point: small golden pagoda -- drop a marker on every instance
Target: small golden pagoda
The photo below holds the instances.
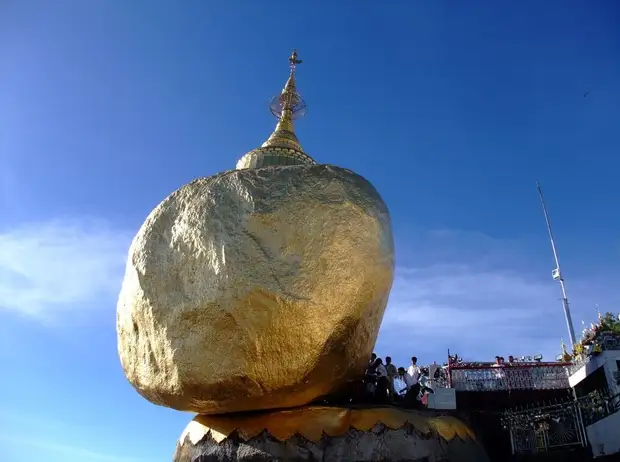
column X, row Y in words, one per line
column 282, row 147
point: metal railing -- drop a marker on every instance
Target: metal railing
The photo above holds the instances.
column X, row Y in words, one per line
column 535, row 376
column 578, row 363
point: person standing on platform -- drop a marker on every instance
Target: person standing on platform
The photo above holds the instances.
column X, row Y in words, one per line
column 382, row 392
column 380, row 368
column 414, row 370
column 392, row 371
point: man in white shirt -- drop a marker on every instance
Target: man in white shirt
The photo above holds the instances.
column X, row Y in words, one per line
column 412, row 389
column 414, row 371
column 407, row 379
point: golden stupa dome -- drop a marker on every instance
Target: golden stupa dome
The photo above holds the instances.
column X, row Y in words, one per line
column 282, row 147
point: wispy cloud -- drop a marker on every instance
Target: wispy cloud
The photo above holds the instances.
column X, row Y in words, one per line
column 469, row 297
column 50, row 268
column 472, row 311
column 69, row 452
column 468, row 292
column 55, row 436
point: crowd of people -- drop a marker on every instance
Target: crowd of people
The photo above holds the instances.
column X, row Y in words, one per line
column 501, row 362
column 386, row 383
column 454, row 360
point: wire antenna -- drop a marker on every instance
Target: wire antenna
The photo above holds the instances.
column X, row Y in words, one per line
column 556, row 273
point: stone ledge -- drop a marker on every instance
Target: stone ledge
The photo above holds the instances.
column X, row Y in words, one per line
column 318, row 433
column 312, row 422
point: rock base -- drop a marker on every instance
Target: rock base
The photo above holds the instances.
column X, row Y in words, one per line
column 330, row 434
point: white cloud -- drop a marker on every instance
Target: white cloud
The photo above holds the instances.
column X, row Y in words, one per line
column 57, row 436
column 472, row 311
column 70, row 452
column 478, row 298
column 50, row 268
column 473, row 294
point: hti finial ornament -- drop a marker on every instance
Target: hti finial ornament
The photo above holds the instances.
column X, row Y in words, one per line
column 293, row 60
column 289, row 103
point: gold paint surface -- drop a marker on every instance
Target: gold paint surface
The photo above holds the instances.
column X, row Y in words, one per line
column 256, row 289
column 314, row 421
column 284, row 133
column 449, row 427
column 274, row 155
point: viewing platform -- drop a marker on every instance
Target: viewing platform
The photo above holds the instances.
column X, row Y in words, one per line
column 518, row 376
column 484, row 386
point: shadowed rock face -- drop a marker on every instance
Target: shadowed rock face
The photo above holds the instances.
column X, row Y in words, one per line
column 379, row 444
column 256, row 289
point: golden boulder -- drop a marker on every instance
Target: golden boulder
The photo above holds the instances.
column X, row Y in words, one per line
column 256, row 289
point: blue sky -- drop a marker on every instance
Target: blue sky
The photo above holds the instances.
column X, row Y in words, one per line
column 451, row 109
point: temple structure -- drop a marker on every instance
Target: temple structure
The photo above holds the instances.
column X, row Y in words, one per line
column 252, row 299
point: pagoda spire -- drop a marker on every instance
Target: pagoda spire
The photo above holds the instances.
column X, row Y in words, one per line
column 287, row 107
column 282, row 147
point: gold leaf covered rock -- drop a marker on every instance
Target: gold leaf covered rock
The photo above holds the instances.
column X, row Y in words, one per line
column 256, row 289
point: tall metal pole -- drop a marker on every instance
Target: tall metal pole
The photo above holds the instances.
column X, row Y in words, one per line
column 557, row 274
